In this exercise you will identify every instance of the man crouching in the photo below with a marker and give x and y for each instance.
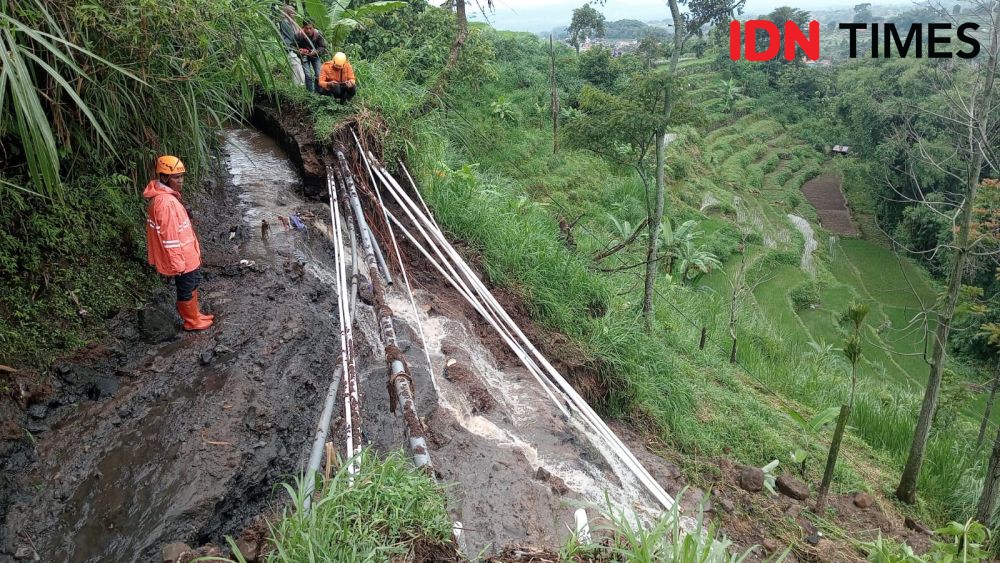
(336, 79)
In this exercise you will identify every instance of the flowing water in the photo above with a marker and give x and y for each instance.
(809, 235)
(524, 432)
(192, 449)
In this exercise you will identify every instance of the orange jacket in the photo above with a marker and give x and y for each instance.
(171, 245)
(330, 75)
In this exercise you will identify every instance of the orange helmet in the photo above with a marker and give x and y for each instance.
(169, 165)
(339, 60)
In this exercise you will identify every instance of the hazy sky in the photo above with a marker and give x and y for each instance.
(544, 15)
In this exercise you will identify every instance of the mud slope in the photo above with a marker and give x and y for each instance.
(197, 430)
(143, 444)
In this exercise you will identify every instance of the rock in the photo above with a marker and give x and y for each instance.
(206, 357)
(792, 487)
(157, 324)
(403, 345)
(364, 290)
(726, 505)
(222, 349)
(770, 545)
(863, 500)
(808, 528)
(814, 539)
(693, 500)
(793, 511)
(172, 552)
(752, 479)
(38, 412)
(25, 552)
(917, 526)
(105, 386)
(83, 381)
(558, 485)
(247, 549)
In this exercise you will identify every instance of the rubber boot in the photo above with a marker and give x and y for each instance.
(189, 312)
(203, 316)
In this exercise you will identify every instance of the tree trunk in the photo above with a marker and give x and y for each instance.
(555, 96)
(831, 460)
(704, 337)
(654, 233)
(732, 351)
(979, 110)
(991, 486)
(435, 92)
(675, 13)
(989, 409)
(907, 490)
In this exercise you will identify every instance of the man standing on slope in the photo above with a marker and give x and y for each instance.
(171, 245)
(289, 30)
(337, 79)
(312, 47)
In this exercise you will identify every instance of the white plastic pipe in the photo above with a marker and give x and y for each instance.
(589, 416)
(459, 282)
(478, 306)
(399, 260)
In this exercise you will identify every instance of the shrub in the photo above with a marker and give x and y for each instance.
(805, 295)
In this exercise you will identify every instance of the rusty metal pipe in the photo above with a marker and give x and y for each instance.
(399, 384)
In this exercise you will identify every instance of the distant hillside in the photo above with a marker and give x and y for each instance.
(622, 29)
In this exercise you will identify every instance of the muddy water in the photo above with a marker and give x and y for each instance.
(203, 428)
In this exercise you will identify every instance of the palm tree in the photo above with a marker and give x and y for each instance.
(695, 261)
(731, 93)
(672, 239)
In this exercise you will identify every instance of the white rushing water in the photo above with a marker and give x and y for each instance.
(523, 401)
(809, 235)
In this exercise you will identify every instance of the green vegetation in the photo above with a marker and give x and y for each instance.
(747, 137)
(664, 541)
(734, 171)
(377, 515)
(92, 102)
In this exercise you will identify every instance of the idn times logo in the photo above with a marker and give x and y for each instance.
(787, 40)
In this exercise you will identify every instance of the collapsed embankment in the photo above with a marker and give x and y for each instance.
(140, 443)
(153, 436)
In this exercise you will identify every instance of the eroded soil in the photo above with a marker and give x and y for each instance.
(137, 444)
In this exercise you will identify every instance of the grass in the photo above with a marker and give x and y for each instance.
(495, 184)
(380, 516)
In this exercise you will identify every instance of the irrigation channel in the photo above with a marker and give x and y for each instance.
(365, 328)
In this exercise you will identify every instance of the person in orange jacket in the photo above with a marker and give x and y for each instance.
(171, 244)
(337, 79)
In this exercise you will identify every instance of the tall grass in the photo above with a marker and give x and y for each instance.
(379, 516)
(90, 93)
(93, 86)
(672, 538)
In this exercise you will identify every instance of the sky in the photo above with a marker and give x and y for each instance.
(544, 15)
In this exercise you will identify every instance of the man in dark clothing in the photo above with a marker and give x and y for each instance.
(289, 29)
(312, 48)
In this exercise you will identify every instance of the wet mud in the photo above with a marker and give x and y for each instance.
(145, 444)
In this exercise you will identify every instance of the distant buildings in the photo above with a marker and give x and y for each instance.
(618, 46)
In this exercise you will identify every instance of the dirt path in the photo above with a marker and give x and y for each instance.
(825, 194)
(144, 444)
(190, 435)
